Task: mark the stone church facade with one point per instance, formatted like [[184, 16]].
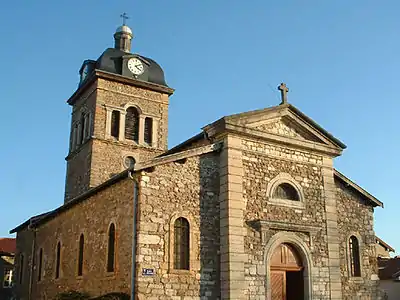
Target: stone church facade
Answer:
[[250, 208]]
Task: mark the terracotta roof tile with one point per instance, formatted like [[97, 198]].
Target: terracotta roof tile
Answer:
[[7, 245]]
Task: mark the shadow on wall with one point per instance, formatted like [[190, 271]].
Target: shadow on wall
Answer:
[[73, 295], [209, 227]]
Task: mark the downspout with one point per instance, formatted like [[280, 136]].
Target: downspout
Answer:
[[32, 261], [134, 233]]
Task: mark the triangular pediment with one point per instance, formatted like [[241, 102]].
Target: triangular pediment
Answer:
[[287, 122], [285, 126]]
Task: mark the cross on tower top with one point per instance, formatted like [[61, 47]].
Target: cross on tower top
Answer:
[[284, 90], [124, 17]]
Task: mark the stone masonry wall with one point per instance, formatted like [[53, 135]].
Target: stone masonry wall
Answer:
[[92, 218], [24, 247], [186, 189], [107, 158], [108, 154], [79, 159], [262, 163], [355, 217]]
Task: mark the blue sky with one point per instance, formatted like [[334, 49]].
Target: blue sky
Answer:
[[340, 60]]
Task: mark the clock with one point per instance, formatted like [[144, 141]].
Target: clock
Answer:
[[135, 65]]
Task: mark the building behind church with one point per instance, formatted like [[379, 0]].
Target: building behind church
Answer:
[[250, 208]]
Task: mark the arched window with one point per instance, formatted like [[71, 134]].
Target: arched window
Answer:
[[148, 131], [286, 191], [181, 244], [80, 255], [111, 249], [354, 251], [40, 263], [132, 124], [115, 117], [21, 268], [58, 260]]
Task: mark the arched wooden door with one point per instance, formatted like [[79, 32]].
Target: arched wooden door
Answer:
[[287, 278]]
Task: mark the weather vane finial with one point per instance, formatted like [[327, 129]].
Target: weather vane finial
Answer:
[[124, 17]]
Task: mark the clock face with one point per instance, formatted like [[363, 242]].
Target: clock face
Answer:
[[135, 66]]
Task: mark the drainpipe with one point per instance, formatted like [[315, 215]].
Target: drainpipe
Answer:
[[32, 261], [134, 233]]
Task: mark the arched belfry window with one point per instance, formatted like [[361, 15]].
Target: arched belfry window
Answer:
[[58, 260], [354, 253], [132, 124], [111, 249], [148, 131], [115, 118], [181, 244], [286, 191], [80, 255]]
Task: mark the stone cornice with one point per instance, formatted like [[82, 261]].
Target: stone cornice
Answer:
[[222, 125], [263, 226], [117, 78]]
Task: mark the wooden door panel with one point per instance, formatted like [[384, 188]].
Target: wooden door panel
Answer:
[[278, 285]]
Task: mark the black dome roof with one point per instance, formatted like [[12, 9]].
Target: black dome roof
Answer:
[[111, 61]]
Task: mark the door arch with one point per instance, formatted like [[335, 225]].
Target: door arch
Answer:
[[290, 253]]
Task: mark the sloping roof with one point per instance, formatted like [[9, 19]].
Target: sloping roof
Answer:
[[388, 268], [374, 201], [387, 246], [156, 161], [8, 245]]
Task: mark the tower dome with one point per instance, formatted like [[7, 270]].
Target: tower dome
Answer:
[[124, 29]]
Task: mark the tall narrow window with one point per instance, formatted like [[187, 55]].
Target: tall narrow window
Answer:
[[58, 260], [21, 268], [40, 262], [111, 249], [82, 130], [80, 255], [148, 130], [87, 125], [354, 251], [132, 124], [181, 244], [115, 117]]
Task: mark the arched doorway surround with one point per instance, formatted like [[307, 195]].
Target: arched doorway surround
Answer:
[[301, 250]]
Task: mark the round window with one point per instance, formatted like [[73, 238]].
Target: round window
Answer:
[[129, 161]]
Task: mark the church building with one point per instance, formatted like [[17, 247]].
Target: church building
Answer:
[[250, 208]]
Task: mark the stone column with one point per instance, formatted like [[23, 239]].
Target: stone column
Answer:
[[154, 138], [108, 122], [141, 129], [332, 229], [232, 220], [122, 118]]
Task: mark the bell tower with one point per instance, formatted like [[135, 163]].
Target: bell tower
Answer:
[[119, 115]]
